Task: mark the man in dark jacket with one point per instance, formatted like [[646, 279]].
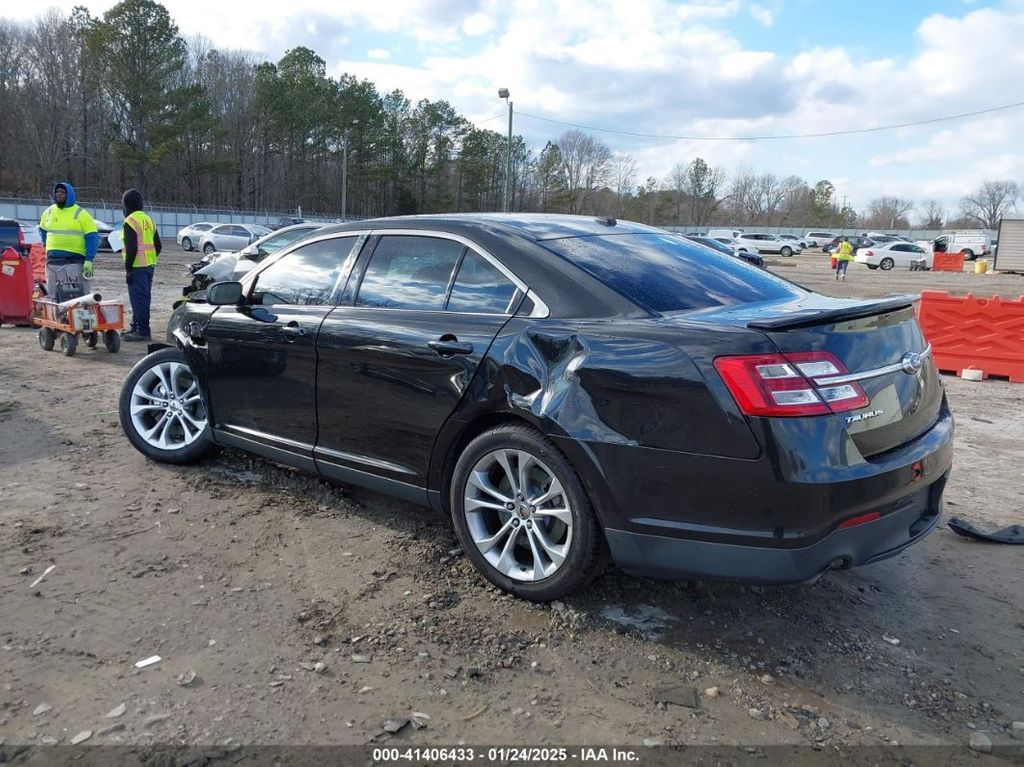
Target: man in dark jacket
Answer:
[[141, 249]]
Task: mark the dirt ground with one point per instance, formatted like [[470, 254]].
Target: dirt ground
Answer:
[[245, 576]]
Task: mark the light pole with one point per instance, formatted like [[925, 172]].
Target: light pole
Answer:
[[504, 94], [344, 172]]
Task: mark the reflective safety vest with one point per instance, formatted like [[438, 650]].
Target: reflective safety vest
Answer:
[[845, 251], [145, 231], [66, 228]]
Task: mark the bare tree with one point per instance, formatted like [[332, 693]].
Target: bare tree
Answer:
[[933, 215], [585, 165], [888, 212], [623, 178], [678, 182], [987, 205]]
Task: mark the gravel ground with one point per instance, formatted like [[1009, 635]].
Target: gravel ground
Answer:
[[289, 611]]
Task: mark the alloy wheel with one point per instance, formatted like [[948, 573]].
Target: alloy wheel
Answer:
[[166, 408], [518, 515]]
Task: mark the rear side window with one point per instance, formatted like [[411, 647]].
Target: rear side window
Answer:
[[408, 272], [665, 273], [480, 288]]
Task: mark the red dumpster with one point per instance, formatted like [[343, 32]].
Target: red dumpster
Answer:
[[16, 287]]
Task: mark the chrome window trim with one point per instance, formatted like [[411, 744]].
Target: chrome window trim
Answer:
[[540, 307], [863, 375]]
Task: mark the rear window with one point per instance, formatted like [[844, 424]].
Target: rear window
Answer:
[[666, 273]]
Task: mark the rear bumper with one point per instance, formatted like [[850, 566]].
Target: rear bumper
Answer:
[[664, 557]]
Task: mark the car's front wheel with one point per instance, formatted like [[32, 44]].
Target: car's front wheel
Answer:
[[208, 248], [786, 251], [186, 243], [162, 412], [522, 515]]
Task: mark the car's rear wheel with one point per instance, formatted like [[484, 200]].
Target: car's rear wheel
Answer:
[[208, 248], [886, 264], [968, 254], [786, 251], [186, 243], [162, 412], [522, 515]]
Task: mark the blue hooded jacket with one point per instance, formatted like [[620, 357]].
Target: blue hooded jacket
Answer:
[[92, 240]]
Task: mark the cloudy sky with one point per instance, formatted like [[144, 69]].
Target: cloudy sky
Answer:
[[706, 68]]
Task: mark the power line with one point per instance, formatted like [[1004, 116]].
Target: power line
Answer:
[[849, 132]]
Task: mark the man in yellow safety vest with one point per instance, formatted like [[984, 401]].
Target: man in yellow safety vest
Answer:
[[71, 241], [141, 248]]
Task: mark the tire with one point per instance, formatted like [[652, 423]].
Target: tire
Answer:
[[186, 244], [208, 248], [68, 344], [166, 429], [504, 555], [91, 339], [968, 254], [872, 266], [112, 340], [46, 339], [786, 251], [886, 264]]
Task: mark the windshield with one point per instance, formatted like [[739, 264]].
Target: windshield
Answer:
[[666, 272]]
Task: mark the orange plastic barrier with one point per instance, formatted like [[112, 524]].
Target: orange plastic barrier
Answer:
[[37, 255], [983, 333], [947, 262]]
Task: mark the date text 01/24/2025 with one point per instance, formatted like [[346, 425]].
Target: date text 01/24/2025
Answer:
[[504, 754]]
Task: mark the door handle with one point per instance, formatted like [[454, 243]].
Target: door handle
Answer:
[[448, 346], [292, 331]]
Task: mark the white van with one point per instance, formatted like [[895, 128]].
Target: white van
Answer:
[[972, 243], [730, 234], [818, 239]]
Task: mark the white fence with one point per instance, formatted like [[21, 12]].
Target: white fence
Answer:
[[167, 219]]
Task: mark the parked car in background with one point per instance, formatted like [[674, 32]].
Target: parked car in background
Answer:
[[30, 232], [189, 236], [793, 238], [567, 390], [12, 236], [818, 239], [885, 237], [231, 237], [971, 243], [104, 229], [711, 242], [855, 240], [731, 234], [734, 244], [886, 255], [218, 266], [770, 243], [288, 221]]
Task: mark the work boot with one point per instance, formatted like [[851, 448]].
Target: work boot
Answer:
[[135, 336]]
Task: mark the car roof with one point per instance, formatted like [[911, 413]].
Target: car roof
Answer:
[[9, 222]]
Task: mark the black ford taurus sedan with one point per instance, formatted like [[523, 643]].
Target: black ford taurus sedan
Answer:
[[567, 389]]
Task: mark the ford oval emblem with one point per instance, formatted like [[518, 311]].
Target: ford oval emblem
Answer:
[[912, 363]]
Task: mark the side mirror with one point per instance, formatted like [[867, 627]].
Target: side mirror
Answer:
[[250, 251], [224, 294]]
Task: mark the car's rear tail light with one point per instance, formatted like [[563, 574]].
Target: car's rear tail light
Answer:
[[784, 384], [871, 516], [869, 252]]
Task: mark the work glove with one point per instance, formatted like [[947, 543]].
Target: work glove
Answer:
[[87, 270], [127, 278]]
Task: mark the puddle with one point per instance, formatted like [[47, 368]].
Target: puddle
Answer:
[[649, 620]]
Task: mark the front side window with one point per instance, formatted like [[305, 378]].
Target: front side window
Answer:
[[306, 276], [409, 272], [480, 288]]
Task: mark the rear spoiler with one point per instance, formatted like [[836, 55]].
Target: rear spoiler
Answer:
[[803, 318]]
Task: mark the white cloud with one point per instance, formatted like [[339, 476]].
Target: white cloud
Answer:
[[765, 16], [378, 54]]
